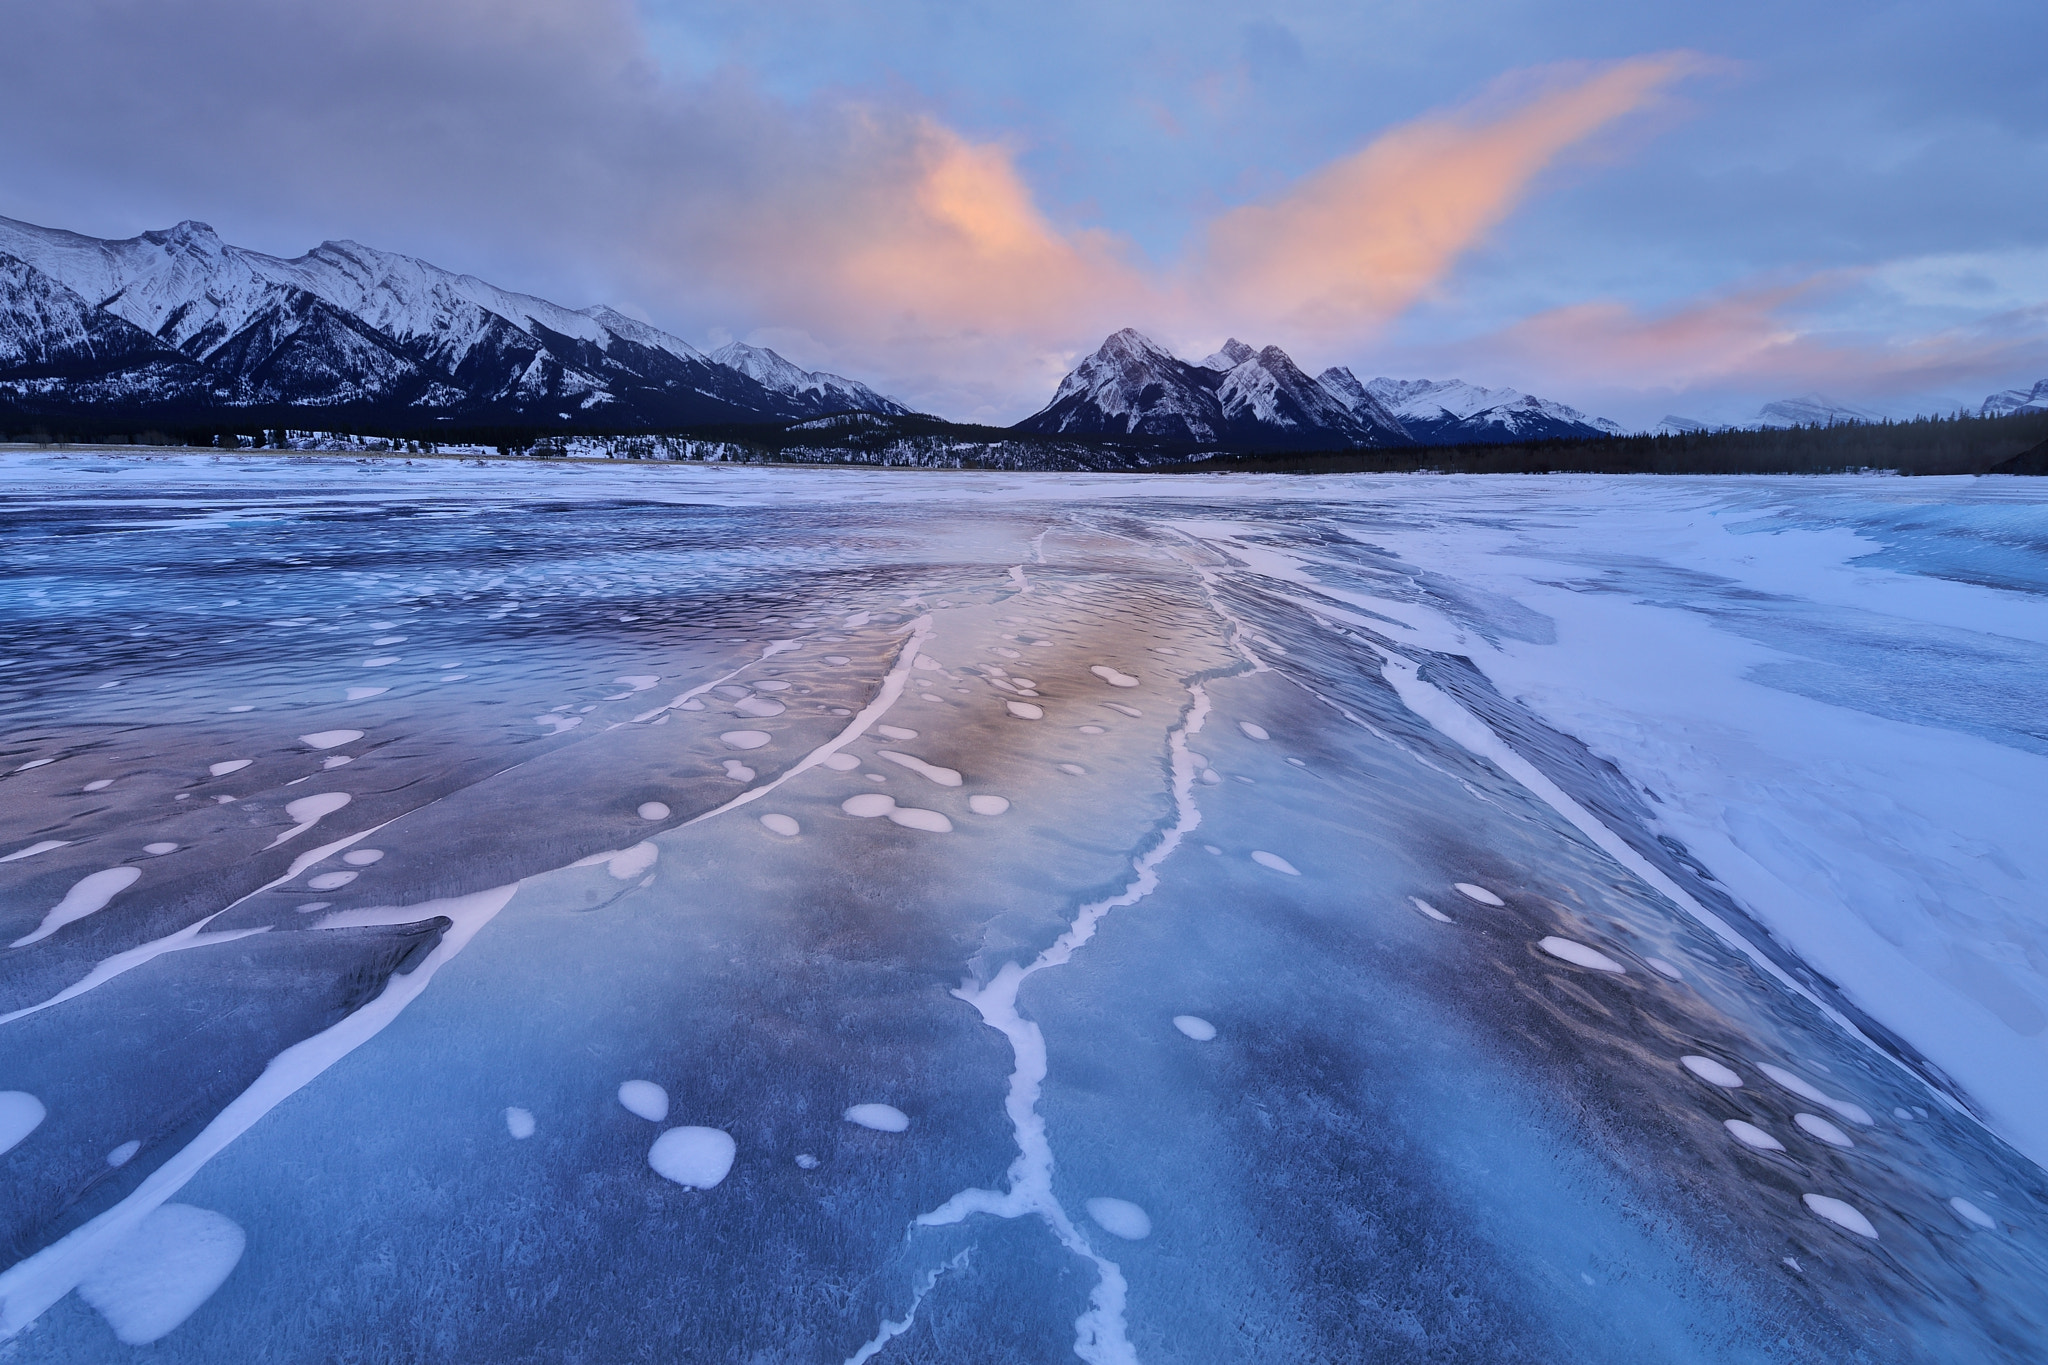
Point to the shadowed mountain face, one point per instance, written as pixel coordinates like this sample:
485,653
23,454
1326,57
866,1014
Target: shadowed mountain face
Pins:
180,322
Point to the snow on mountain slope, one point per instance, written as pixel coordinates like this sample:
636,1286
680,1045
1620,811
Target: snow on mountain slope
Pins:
347,324
831,392
2016,400
1446,412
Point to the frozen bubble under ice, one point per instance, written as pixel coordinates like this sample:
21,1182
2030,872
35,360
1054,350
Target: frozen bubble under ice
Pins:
895,732
328,739
652,810
1970,1213
806,1162
1841,1214
644,1098
159,1274
159,849
781,824
1195,1027
695,1158
761,707
1816,1126
519,1122
883,1118
125,1153
745,739
1579,955
1664,969
1478,893
740,772
1120,1218
1712,1072
1024,710
1430,910
363,857
868,805
1855,1113
1274,861
983,804
1749,1135
226,766
1073,769
1253,731
100,785
20,1114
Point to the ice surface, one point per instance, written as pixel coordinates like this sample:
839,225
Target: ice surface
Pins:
1579,954
159,1274
695,1158
20,1114
1195,1027
1120,1218
781,824
88,895
1712,1072
883,1118
1778,741
644,1098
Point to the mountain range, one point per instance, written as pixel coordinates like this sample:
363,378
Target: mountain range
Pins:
179,323
1133,386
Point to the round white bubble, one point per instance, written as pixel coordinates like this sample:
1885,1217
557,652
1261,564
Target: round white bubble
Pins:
695,1158
1195,1027
653,810
1120,1218
1712,1072
883,1118
644,1098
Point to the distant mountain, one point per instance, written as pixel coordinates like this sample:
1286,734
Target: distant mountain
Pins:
1452,412
1812,410
1132,386
180,323
2016,400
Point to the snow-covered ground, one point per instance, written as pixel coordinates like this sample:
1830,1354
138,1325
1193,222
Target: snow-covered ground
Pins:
501,911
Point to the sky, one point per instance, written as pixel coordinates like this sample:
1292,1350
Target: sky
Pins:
1637,210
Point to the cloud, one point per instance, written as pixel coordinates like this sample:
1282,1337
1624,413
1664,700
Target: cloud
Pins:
539,144
1363,238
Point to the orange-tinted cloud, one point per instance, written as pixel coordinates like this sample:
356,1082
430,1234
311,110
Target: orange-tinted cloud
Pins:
1360,240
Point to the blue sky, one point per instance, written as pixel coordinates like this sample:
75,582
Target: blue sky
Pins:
1717,206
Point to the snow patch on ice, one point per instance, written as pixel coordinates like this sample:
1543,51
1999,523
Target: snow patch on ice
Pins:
1274,861
1478,893
781,824
1024,710
746,739
230,765
1749,1135
1816,1126
87,896
1840,1214
981,803
1712,1072
1855,1113
309,811
158,1275
20,1114
1970,1213
652,810
365,693
1112,676
328,739
945,777
40,846
1580,955
1253,731
1430,910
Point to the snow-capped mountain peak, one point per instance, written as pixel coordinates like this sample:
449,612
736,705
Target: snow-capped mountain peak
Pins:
2016,400
1232,354
1451,411
778,375
1811,410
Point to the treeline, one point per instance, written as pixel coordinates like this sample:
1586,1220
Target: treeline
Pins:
1935,445
1960,444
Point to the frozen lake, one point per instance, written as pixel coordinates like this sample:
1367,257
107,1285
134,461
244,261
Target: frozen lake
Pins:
509,913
